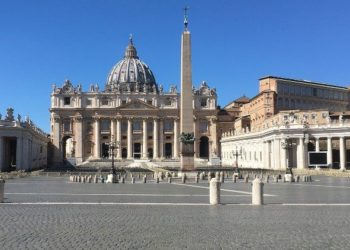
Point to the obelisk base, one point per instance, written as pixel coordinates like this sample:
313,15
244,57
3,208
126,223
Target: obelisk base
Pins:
187,156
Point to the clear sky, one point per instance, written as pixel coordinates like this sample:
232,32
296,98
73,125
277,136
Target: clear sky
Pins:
234,43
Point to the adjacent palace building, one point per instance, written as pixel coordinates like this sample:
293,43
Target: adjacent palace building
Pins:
286,124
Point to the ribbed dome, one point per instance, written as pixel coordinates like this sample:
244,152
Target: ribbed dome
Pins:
131,74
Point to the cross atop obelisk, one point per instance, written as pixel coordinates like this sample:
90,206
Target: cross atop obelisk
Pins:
186,109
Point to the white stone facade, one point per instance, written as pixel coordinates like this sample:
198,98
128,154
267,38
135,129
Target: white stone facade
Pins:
23,146
303,131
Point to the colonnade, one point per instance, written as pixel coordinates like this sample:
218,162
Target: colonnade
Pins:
158,136
276,155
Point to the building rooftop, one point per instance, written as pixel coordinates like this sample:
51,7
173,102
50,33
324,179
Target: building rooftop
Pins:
304,81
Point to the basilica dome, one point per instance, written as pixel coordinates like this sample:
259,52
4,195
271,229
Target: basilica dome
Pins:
131,74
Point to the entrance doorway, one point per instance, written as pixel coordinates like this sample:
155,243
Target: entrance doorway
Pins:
150,153
124,153
67,147
10,145
204,147
137,150
168,150
105,150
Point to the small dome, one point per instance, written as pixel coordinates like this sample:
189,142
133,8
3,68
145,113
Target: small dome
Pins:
131,74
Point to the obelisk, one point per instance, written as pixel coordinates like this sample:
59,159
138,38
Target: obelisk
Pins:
186,109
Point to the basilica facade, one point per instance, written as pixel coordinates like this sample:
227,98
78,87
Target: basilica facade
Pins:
134,112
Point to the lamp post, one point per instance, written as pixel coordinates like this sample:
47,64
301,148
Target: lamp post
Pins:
113,145
237,153
288,144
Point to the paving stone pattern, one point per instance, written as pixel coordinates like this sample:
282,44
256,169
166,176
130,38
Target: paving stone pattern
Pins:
230,226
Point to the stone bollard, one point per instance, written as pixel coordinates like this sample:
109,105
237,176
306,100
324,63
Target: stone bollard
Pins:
196,179
95,179
132,180
214,192
183,179
267,178
169,179
283,179
122,179
246,178
144,178
209,178
2,188
257,192
275,178
222,178
157,180
84,179
201,176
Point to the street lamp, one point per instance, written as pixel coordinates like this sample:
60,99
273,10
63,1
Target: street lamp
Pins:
288,144
113,145
237,153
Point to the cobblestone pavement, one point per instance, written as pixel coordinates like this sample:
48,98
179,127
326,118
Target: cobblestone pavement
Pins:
65,215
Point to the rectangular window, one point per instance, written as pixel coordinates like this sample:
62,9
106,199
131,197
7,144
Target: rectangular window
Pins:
204,102
104,102
136,126
124,126
105,126
88,102
66,126
67,101
168,126
203,127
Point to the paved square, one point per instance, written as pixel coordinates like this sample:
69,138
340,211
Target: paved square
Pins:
50,212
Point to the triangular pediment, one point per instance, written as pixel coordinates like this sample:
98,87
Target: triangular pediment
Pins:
137,104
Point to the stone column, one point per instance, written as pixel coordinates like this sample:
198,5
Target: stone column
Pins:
176,138
56,134
129,139
329,152
113,128
97,136
213,135
317,144
144,139
277,147
2,153
301,154
342,151
283,158
196,142
161,138
78,136
119,139
270,153
19,153
155,139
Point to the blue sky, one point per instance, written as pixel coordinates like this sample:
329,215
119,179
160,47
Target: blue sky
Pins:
234,43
